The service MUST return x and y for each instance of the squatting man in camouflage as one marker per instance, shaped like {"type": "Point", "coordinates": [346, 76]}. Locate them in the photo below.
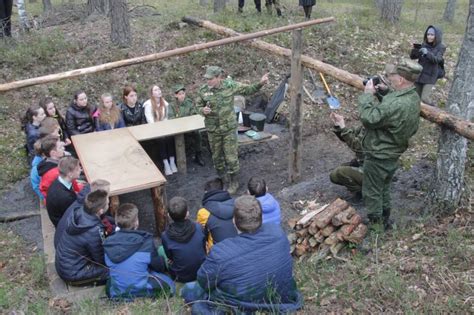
{"type": "Point", "coordinates": [215, 101]}
{"type": "Point", "coordinates": [389, 123]}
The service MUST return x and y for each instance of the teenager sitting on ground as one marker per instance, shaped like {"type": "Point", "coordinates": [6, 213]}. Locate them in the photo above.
{"type": "Point", "coordinates": [136, 269]}
{"type": "Point", "coordinates": [79, 252]}
{"type": "Point", "coordinates": [183, 242]}
{"type": "Point", "coordinates": [61, 194]}
{"type": "Point", "coordinates": [216, 213]}
{"type": "Point", "coordinates": [250, 272]}
{"type": "Point", "coordinates": [53, 150]}
{"type": "Point", "coordinates": [99, 184]}
{"type": "Point", "coordinates": [108, 116]}
{"type": "Point", "coordinates": [271, 212]}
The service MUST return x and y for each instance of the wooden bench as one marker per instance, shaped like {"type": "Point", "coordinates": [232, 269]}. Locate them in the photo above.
{"type": "Point", "coordinates": [174, 127]}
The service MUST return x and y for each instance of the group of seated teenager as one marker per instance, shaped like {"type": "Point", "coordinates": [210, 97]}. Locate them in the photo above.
{"type": "Point", "coordinates": [235, 256]}
{"type": "Point", "coordinates": [82, 117]}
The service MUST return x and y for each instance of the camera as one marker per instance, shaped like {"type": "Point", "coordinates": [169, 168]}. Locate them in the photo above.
{"type": "Point", "coordinates": [375, 80]}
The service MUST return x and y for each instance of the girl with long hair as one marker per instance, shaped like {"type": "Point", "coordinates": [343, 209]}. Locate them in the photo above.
{"type": "Point", "coordinates": [51, 110]}
{"type": "Point", "coordinates": [108, 116]}
{"type": "Point", "coordinates": [31, 121]}
{"type": "Point", "coordinates": [79, 115]}
{"type": "Point", "coordinates": [131, 108]}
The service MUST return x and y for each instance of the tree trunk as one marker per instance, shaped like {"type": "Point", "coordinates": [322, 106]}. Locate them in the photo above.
{"type": "Point", "coordinates": [47, 6]}
{"type": "Point", "coordinates": [98, 6]}
{"type": "Point", "coordinates": [449, 180]}
{"type": "Point", "coordinates": [120, 25]}
{"type": "Point", "coordinates": [219, 5]}
{"type": "Point", "coordinates": [391, 10]}
{"type": "Point", "coordinates": [449, 10]}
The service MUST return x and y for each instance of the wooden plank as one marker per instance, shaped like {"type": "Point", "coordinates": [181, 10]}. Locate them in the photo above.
{"type": "Point", "coordinates": [116, 156]}
{"type": "Point", "coordinates": [296, 108]}
{"type": "Point", "coordinates": [167, 127]}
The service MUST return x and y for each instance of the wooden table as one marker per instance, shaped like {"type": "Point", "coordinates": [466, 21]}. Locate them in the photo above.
{"type": "Point", "coordinates": [175, 127]}
{"type": "Point", "coordinates": [116, 156]}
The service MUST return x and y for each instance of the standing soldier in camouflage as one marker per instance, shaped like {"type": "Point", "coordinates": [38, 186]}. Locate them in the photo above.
{"type": "Point", "coordinates": [389, 125]}
{"type": "Point", "coordinates": [216, 102]}
{"type": "Point", "coordinates": [183, 106]}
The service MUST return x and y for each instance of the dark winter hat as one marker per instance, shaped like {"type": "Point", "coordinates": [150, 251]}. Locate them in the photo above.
{"type": "Point", "coordinates": [178, 87]}
{"type": "Point", "coordinates": [431, 30]}
{"type": "Point", "coordinates": [405, 68]}
{"type": "Point", "coordinates": [212, 72]}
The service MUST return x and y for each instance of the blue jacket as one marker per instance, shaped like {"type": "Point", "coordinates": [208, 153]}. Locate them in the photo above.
{"type": "Point", "coordinates": [34, 176]}
{"type": "Point", "coordinates": [61, 227]}
{"type": "Point", "coordinates": [79, 251]}
{"type": "Point", "coordinates": [32, 134]}
{"type": "Point", "coordinates": [186, 254]}
{"type": "Point", "coordinates": [221, 206]}
{"type": "Point", "coordinates": [131, 255]}
{"type": "Point", "coordinates": [252, 270]}
{"type": "Point", "coordinates": [271, 212]}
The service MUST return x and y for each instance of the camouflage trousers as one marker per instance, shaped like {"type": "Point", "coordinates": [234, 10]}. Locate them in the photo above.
{"type": "Point", "coordinates": [377, 179]}
{"type": "Point", "coordinates": [224, 150]}
{"type": "Point", "coordinates": [349, 177]}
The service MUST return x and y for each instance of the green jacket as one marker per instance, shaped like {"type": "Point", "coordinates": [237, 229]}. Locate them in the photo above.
{"type": "Point", "coordinates": [353, 138]}
{"type": "Point", "coordinates": [222, 118]}
{"type": "Point", "coordinates": [389, 124]}
{"type": "Point", "coordinates": [186, 108]}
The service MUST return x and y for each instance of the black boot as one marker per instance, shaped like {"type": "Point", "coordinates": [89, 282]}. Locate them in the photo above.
{"type": "Point", "coordinates": [279, 12]}
{"type": "Point", "coordinates": [387, 223]}
{"type": "Point", "coordinates": [198, 159]}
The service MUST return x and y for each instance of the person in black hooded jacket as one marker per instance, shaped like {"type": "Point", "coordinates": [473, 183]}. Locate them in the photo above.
{"type": "Point", "coordinates": [79, 115]}
{"type": "Point", "coordinates": [216, 213]}
{"type": "Point", "coordinates": [136, 269]}
{"type": "Point", "coordinates": [183, 242]}
{"type": "Point", "coordinates": [79, 251]}
{"type": "Point", "coordinates": [430, 56]}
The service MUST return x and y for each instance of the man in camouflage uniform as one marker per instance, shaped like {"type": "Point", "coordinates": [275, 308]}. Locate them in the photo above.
{"type": "Point", "coordinates": [389, 125]}
{"type": "Point", "coordinates": [349, 174]}
{"type": "Point", "coordinates": [216, 102]}
{"type": "Point", "coordinates": [183, 106]}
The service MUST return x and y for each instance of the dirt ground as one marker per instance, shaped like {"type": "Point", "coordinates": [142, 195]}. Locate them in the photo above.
{"type": "Point", "coordinates": [322, 152]}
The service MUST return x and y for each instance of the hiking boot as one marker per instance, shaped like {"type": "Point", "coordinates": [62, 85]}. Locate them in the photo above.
{"type": "Point", "coordinates": [233, 184]}
{"type": "Point", "coordinates": [198, 159]}
{"type": "Point", "coordinates": [279, 13]}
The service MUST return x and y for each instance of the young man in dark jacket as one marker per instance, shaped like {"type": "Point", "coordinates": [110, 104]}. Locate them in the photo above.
{"type": "Point", "coordinates": [430, 57]}
{"type": "Point", "coordinates": [217, 212]}
{"type": "Point", "coordinates": [79, 252]}
{"type": "Point", "coordinates": [136, 270]}
{"type": "Point", "coordinates": [250, 272]}
{"type": "Point", "coordinates": [183, 242]}
{"type": "Point", "coordinates": [61, 194]}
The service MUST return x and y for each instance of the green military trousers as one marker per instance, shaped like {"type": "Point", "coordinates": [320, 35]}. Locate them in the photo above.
{"type": "Point", "coordinates": [377, 178]}
{"type": "Point", "coordinates": [224, 150]}
{"type": "Point", "coordinates": [349, 177]}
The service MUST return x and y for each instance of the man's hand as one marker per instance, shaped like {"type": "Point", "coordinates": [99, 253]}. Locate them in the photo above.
{"type": "Point", "coordinates": [338, 120]}
{"type": "Point", "coordinates": [264, 79]}
{"type": "Point", "coordinates": [369, 87]}
{"type": "Point", "coordinates": [206, 110]}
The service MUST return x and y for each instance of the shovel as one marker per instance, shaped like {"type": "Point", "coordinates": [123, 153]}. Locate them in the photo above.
{"type": "Point", "coordinates": [332, 101]}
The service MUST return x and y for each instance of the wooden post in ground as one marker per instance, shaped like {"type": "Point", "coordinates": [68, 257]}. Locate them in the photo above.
{"type": "Point", "coordinates": [157, 195]}
{"type": "Point", "coordinates": [296, 109]}
{"type": "Point", "coordinates": [180, 153]}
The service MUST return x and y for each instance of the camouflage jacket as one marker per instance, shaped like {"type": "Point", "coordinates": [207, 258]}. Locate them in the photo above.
{"type": "Point", "coordinates": [222, 118]}
{"type": "Point", "coordinates": [186, 108]}
{"type": "Point", "coordinates": [389, 124]}
{"type": "Point", "coordinates": [353, 138]}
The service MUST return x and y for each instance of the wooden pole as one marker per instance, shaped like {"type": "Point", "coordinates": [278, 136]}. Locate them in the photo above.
{"type": "Point", "coordinates": [153, 57]}
{"type": "Point", "coordinates": [463, 127]}
{"type": "Point", "coordinates": [296, 109]}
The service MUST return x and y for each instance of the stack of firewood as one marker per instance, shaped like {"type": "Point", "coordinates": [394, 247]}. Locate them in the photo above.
{"type": "Point", "coordinates": [325, 230]}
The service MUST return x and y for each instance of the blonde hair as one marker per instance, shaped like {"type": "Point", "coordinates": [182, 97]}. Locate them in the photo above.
{"type": "Point", "coordinates": [159, 111]}
{"type": "Point", "coordinates": [107, 116]}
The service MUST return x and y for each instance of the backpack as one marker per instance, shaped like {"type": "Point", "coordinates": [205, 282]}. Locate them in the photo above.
{"type": "Point", "coordinates": [441, 71]}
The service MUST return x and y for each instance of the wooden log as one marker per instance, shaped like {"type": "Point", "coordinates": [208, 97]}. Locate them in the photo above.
{"type": "Point", "coordinates": [307, 217]}
{"type": "Point", "coordinates": [432, 113]}
{"type": "Point", "coordinates": [358, 234]}
{"type": "Point", "coordinates": [300, 250]}
{"type": "Point", "coordinates": [347, 229]}
{"type": "Point", "coordinates": [336, 248]}
{"type": "Point", "coordinates": [343, 217]}
{"type": "Point", "coordinates": [319, 237]}
{"type": "Point", "coordinates": [322, 253]}
{"type": "Point", "coordinates": [331, 239]}
{"type": "Point", "coordinates": [13, 216]}
{"type": "Point", "coordinates": [292, 238]}
{"type": "Point", "coordinates": [180, 153]}
{"type": "Point", "coordinates": [296, 109]}
{"type": "Point", "coordinates": [328, 230]}
{"type": "Point", "coordinates": [159, 208]}
{"type": "Point", "coordinates": [313, 229]}
{"type": "Point", "coordinates": [302, 233]}
{"type": "Point", "coordinates": [313, 242]}
{"type": "Point", "coordinates": [356, 219]}
{"type": "Point", "coordinates": [299, 240]}
{"type": "Point", "coordinates": [323, 218]}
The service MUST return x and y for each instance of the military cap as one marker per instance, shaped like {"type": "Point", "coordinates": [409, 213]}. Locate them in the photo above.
{"type": "Point", "coordinates": [178, 87]}
{"type": "Point", "coordinates": [212, 72]}
{"type": "Point", "coordinates": [405, 68]}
